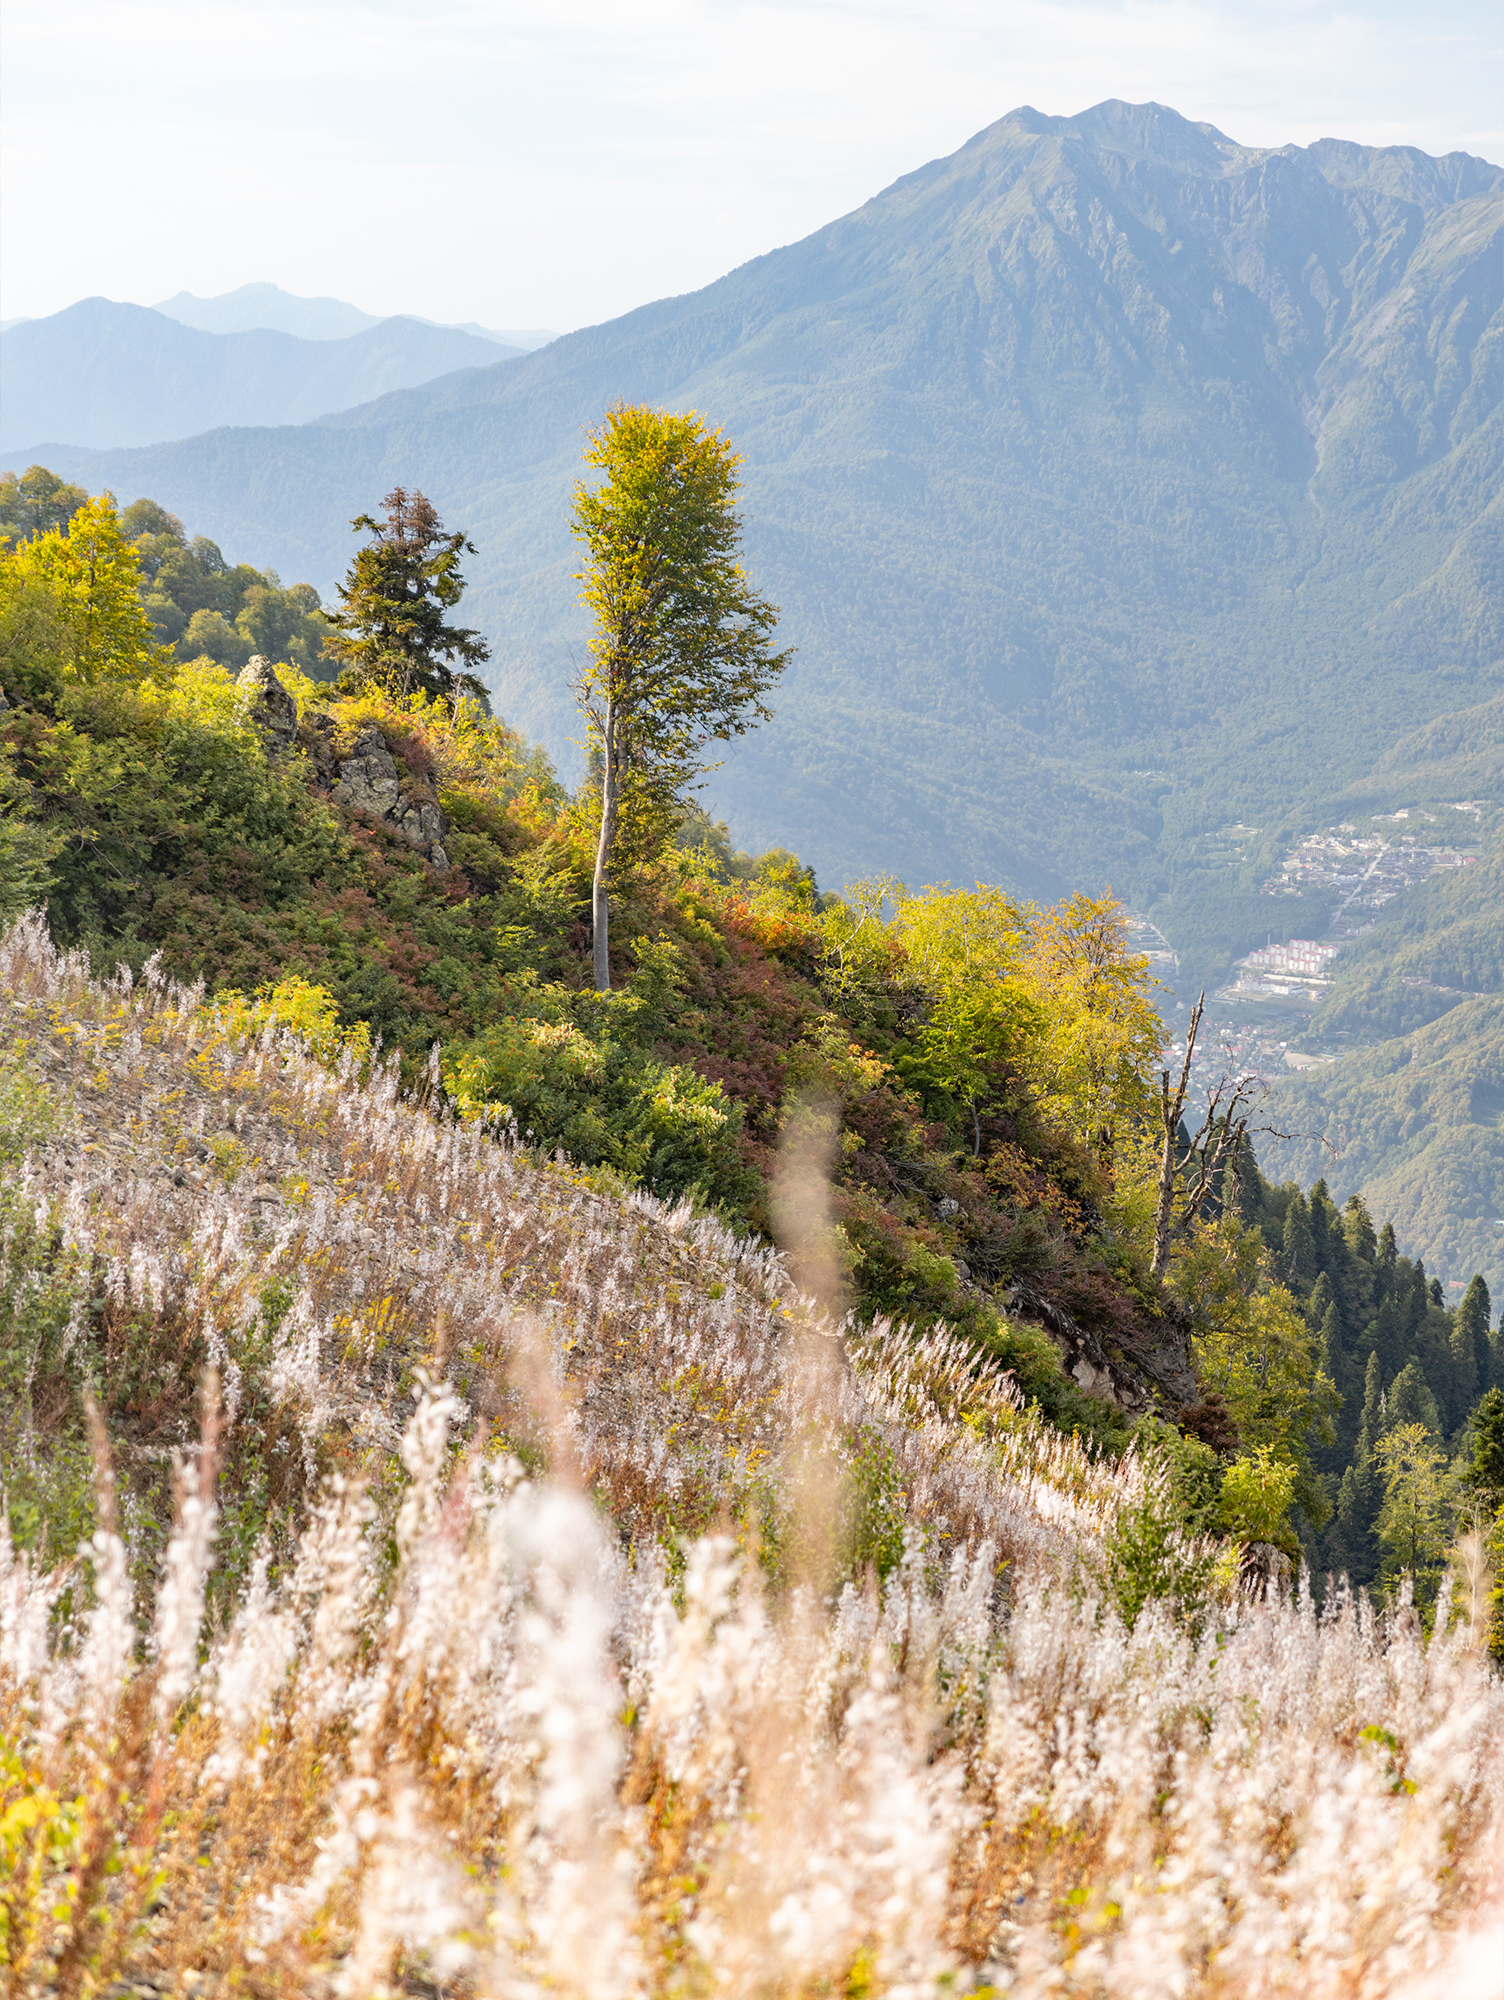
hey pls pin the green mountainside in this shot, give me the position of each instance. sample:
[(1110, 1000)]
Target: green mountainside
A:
[(1412, 1115), (1416, 1124), (1116, 482)]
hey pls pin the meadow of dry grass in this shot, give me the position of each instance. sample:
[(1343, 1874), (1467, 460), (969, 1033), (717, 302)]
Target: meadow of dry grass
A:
[(609, 1622)]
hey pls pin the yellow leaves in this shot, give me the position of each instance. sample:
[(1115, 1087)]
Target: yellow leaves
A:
[(38, 1830), (1257, 1492), (230, 1158), (203, 692), (93, 576), (1103, 1032), (308, 1011), (1055, 994)]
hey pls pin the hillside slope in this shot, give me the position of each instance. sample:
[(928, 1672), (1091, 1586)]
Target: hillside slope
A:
[(544, 1600), (1100, 470), (100, 373)]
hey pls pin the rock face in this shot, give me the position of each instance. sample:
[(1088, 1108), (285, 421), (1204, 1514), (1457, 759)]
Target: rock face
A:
[(1265, 1571), (272, 708), (1137, 1373), (369, 783)]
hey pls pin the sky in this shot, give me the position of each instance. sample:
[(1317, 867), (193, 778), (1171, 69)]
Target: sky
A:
[(524, 164)]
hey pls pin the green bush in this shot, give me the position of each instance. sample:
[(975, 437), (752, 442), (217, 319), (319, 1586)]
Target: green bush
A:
[(1151, 1556)]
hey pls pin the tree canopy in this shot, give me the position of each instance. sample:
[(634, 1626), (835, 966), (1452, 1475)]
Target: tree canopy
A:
[(36, 502), (89, 578)]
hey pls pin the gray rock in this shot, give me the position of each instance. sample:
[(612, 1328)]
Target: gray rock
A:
[(272, 708), (368, 783), (1265, 1571)]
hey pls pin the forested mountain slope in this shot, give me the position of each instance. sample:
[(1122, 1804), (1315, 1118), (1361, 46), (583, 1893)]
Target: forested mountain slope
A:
[(1416, 1124), (102, 373), (1104, 471), (1411, 1115)]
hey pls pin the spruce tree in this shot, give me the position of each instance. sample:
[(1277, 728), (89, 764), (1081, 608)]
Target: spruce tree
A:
[(1299, 1249), (391, 634), (1389, 1338), (1409, 1400), (1326, 1226), (1464, 1351), (1484, 1474), (1357, 1227), (1470, 1332), (1373, 1400), (1359, 1494), (1332, 1357)]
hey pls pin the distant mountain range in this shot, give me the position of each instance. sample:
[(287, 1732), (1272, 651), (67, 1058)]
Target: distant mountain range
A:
[(252, 306), (1117, 481), (104, 374)]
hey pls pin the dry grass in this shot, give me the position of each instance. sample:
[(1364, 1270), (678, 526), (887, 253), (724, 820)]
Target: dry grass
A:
[(475, 1729)]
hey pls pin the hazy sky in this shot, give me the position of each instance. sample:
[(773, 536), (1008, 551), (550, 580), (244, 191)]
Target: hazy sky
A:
[(527, 164)]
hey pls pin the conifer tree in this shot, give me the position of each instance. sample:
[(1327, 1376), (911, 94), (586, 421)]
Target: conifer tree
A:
[(1472, 1353), (1323, 1294), (1332, 1357), (1484, 1475), (1483, 1483), (1299, 1248), (1409, 1400), (1357, 1227), (1389, 1341), (1463, 1346), (1359, 1493), (1373, 1404), (1325, 1225), (391, 634)]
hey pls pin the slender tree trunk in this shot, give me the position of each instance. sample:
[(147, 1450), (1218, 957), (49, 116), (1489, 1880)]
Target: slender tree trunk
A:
[(1171, 1104), (600, 901)]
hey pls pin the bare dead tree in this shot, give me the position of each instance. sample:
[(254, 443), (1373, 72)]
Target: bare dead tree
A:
[(1187, 1176), (1171, 1104)]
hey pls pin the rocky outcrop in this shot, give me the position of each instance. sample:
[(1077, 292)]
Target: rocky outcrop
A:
[(368, 782), (271, 707), (1137, 1374), (1265, 1571)]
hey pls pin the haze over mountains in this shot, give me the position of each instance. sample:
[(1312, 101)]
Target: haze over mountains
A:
[(103, 373), (262, 305), (1116, 480)]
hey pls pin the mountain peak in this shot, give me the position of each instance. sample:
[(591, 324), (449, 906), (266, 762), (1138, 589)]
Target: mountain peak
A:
[(1150, 131)]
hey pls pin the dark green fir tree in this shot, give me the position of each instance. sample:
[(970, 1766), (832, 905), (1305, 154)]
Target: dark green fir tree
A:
[(390, 634)]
